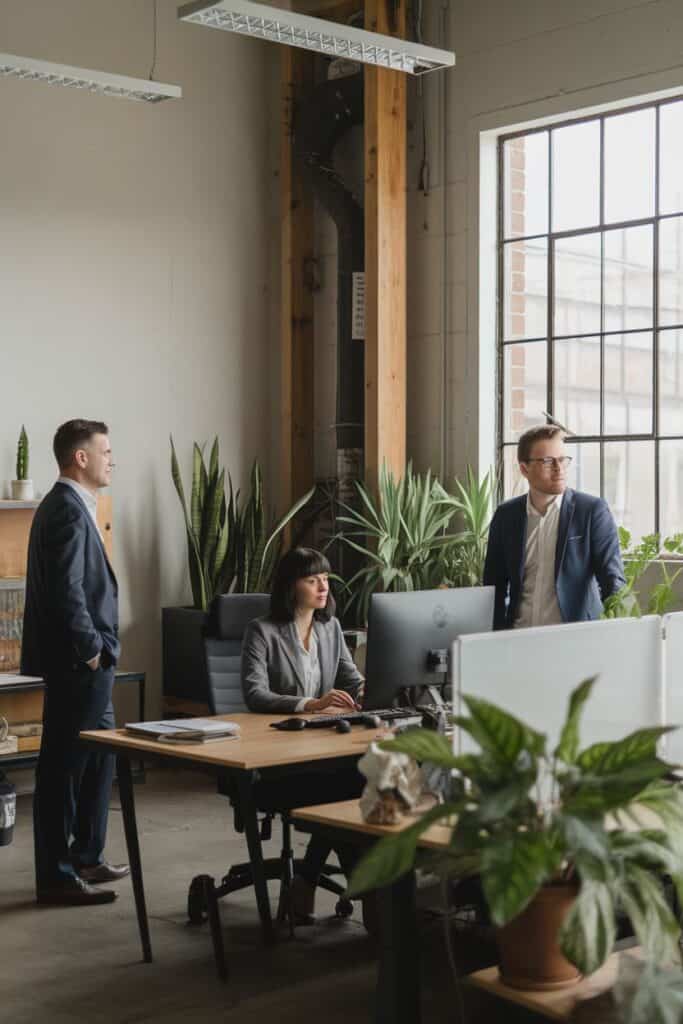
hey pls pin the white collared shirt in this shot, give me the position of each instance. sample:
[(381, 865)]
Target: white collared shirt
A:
[(310, 663), (538, 604), (86, 496)]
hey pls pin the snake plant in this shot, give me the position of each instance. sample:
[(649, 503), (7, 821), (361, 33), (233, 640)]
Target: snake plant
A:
[(229, 547), (22, 455)]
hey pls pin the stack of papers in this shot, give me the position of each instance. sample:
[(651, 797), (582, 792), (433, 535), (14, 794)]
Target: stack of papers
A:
[(185, 730)]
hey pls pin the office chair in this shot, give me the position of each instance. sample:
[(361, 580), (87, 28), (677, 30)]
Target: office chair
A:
[(228, 618)]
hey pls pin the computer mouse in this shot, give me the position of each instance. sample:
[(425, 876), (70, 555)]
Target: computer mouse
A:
[(292, 724), (343, 726), (372, 721)]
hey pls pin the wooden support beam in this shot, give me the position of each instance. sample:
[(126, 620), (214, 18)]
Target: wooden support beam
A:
[(296, 332), (385, 252)]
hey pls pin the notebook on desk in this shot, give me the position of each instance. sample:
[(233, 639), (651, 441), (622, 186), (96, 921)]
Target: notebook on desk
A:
[(184, 730)]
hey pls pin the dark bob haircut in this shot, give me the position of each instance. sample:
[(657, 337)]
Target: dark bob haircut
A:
[(297, 564)]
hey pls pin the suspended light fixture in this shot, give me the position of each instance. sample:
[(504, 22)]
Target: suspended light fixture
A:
[(327, 37), (92, 81)]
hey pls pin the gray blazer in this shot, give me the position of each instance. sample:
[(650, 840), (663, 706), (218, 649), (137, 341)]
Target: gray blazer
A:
[(272, 670)]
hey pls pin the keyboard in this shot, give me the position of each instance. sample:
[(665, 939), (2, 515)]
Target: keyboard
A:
[(362, 717)]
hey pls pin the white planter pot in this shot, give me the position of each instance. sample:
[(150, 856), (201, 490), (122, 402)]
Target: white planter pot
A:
[(22, 490)]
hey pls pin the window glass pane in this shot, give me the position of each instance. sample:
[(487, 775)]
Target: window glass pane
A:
[(670, 346), (628, 278), (584, 472), (525, 375), (671, 158), (629, 165), (670, 487), (630, 484), (671, 271), (526, 289), (577, 285), (513, 481), (526, 185), (628, 383), (576, 176), (576, 388)]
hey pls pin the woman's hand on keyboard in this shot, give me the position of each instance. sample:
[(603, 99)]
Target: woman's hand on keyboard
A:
[(334, 702)]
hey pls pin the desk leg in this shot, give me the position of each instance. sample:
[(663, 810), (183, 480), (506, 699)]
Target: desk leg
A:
[(398, 979), (249, 816), (125, 780)]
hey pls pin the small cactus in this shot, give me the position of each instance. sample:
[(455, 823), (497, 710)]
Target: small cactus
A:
[(22, 455)]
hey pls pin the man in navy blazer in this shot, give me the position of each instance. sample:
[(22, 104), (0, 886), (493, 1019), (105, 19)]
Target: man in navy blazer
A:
[(553, 554), (70, 638)]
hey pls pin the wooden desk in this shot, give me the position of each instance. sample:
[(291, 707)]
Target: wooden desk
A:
[(258, 748), (560, 1004)]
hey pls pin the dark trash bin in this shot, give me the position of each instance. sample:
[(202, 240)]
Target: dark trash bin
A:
[(8, 812)]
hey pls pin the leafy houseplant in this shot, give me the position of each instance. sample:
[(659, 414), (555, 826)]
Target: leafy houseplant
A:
[(229, 547), (529, 818), (22, 487), (637, 560), (402, 535)]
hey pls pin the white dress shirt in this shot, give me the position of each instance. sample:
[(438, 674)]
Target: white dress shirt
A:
[(538, 605), (87, 497), (311, 665)]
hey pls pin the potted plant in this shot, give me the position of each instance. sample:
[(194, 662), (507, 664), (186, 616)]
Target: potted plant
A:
[(549, 834), (643, 563), (22, 487), (229, 549)]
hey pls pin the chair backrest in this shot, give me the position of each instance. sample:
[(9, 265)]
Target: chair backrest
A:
[(229, 617)]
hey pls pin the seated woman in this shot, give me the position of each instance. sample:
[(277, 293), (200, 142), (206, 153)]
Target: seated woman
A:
[(295, 660)]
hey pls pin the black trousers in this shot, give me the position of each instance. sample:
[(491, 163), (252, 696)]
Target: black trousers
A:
[(331, 782), (73, 785)]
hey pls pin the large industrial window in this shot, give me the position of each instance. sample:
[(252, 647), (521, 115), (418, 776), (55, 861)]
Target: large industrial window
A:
[(591, 310)]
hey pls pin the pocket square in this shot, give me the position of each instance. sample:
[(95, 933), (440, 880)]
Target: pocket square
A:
[(577, 536)]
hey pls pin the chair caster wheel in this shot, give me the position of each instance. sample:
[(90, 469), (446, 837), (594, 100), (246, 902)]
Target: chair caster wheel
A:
[(196, 900), (344, 907)]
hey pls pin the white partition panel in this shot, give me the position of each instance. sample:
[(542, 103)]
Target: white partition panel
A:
[(673, 684), (531, 673)]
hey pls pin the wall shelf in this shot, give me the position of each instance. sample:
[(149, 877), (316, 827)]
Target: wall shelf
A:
[(7, 504), (13, 583)]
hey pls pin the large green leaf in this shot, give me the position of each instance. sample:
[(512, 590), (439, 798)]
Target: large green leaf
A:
[(568, 747), (584, 837), (658, 998), (588, 932), (196, 569), (498, 732), (599, 794), (643, 900), (514, 869), (608, 758), (424, 745), (393, 855)]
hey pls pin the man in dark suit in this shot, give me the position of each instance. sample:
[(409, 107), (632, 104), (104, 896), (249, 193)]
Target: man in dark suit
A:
[(553, 554), (70, 638)]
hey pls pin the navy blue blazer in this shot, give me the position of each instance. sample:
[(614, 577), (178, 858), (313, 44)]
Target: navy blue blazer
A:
[(71, 611), (588, 565)]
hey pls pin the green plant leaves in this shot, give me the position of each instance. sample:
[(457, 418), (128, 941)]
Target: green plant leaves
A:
[(568, 747), (392, 856), (424, 745), (513, 870), (589, 932), (498, 732)]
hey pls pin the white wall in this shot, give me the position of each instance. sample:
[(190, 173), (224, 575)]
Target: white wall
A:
[(134, 270)]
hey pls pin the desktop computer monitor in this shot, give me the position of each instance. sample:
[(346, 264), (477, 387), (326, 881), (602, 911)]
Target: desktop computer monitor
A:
[(404, 628)]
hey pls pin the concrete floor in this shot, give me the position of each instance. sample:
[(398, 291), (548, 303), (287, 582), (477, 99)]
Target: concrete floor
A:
[(68, 965)]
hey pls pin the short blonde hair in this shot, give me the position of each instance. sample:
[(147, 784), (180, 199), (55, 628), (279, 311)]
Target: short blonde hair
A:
[(544, 432)]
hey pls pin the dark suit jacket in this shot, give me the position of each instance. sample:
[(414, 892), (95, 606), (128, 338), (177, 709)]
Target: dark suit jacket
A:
[(588, 565), (71, 611), (273, 673)]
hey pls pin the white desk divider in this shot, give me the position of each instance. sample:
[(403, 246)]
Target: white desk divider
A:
[(531, 673), (673, 684)]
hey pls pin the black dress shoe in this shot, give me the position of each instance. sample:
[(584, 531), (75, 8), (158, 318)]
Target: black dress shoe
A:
[(74, 893), (95, 874)]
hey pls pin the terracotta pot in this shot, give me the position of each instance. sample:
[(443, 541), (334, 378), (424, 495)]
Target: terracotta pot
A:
[(530, 955)]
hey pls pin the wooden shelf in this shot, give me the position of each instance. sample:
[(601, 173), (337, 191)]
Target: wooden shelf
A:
[(7, 504), (12, 583)]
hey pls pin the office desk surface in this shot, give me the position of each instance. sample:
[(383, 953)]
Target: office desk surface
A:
[(347, 815), (258, 746)]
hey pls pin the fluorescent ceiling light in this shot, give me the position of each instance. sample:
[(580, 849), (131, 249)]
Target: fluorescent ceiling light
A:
[(328, 37), (92, 81)]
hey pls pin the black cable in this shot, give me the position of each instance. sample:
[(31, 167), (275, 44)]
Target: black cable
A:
[(154, 49)]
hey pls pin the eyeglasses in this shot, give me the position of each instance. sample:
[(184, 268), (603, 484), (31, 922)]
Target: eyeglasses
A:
[(549, 462)]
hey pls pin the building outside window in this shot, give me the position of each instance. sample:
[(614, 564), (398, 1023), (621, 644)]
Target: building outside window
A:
[(591, 304)]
